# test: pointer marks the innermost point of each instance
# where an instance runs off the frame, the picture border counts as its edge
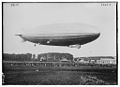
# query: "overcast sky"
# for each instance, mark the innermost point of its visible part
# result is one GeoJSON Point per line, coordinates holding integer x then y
{"type": "Point", "coordinates": [27, 17]}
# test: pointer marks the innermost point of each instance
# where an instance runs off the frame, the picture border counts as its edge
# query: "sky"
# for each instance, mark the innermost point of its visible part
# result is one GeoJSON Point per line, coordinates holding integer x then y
{"type": "Point", "coordinates": [27, 17]}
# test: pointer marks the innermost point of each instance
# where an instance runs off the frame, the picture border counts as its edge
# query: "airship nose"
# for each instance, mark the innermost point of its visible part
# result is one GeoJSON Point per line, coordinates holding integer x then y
{"type": "Point", "coordinates": [96, 35]}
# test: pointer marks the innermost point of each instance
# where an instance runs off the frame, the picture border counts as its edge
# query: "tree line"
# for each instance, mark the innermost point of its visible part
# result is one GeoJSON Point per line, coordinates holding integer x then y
{"type": "Point", "coordinates": [39, 57]}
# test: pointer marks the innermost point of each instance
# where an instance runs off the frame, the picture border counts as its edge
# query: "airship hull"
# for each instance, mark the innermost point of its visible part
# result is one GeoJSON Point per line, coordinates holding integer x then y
{"type": "Point", "coordinates": [61, 40]}
{"type": "Point", "coordinates": [62, 35]}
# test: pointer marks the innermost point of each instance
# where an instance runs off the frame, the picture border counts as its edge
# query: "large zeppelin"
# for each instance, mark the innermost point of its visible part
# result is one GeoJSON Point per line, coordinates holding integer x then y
{"type": "Point", "coordinates": [71, 35]}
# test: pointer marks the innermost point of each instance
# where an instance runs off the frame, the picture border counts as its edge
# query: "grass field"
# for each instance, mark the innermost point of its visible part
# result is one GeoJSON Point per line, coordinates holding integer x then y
{"type": "Point", "coordinates": [69, 75]}
{"type": "Point", "coordinates": [59, 78]}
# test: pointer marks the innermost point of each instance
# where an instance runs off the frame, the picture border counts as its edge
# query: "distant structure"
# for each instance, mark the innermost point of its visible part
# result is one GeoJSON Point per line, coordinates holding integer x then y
{"type": "Point", "coordinates": [34, 56]}
{"type": "Point", "coordinates": [55, 57]}
{"type": "Point", "coordinates": [106, 61]}
{"type": "Point", "coordinates": [96, 60]}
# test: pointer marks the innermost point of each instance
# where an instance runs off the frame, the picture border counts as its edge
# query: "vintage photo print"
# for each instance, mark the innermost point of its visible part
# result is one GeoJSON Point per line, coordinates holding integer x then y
{"type": "Point", "coordinates": [59, 43]}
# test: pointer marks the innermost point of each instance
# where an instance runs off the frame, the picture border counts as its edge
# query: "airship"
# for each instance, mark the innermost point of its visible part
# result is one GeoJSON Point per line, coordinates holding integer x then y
{"type": "Point", "coordinates": [72, 35]}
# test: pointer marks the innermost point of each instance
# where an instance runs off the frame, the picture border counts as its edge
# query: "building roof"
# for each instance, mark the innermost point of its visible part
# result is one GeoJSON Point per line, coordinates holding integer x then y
{"type": "Point", "coordinates": [64, 60]}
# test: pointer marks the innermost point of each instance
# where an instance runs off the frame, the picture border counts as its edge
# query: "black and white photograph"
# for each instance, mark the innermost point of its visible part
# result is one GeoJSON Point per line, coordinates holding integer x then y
{"type": "Point", "coordinates": [59, 43]}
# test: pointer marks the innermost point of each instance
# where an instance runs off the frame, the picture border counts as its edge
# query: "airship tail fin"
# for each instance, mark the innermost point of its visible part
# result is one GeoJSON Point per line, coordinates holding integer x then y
{"type": "Point", "coordinates": [20, 35]}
